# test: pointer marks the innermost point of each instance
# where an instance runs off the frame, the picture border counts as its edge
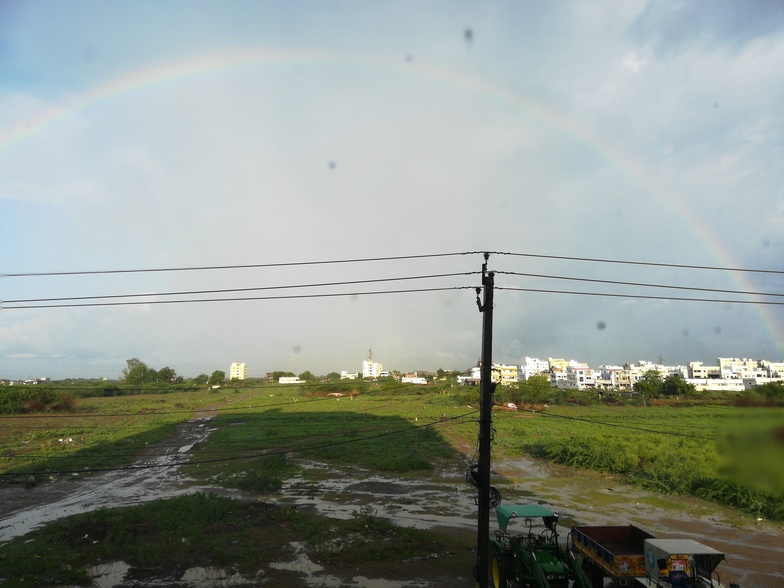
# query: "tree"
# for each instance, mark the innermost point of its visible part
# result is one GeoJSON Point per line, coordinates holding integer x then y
{"type": "Point", "coordinates": [333, 377]}
{"type": "Point", "coordinates": [676, 385]}
{"type": "Point", "coordinates": [650, 384]}
{"type": "Point", "coordinates": [771, 390]}
{"type": "Point", "coordinates": [278, 375]}
{"type": "Point", "coordinates": [306, 376]}
{"type": "Point", "coordinates": [536, 389]}
{"type": "Point", "coordinates": [217, 378]}
{"type": "Point", "coordinates": [166, 374]}
{"type": "Point", "coordinates": [138, 372]}
{"type": "Point", "coordinates": [201, 379]}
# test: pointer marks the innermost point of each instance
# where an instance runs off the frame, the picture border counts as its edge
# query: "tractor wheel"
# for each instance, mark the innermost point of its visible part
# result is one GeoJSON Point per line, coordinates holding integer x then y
{"type": "Point", "coordinates": [500, 569]}
{"type": "Point", "coordinates": [594, 574]}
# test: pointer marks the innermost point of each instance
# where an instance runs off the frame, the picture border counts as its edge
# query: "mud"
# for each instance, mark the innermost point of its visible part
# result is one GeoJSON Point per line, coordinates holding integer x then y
{"type": "Point", "coordinates": [441, 500]}
{"type": "Point", "coordinates": [26, 508]}
{"type": "Point", "coordinates": [438, 501]}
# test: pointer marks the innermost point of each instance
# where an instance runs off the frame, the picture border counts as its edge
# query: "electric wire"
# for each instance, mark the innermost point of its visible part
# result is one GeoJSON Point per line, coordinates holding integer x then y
{"type": "Point", "coordinates": [396, 258]}
{"type": "Point", "coordinates": [640, 284]}
{"type": "Point", "coordinates": [234, 267]}
{"type": "Point", "coordinates": [640, 263]}
{"type": "Point", "coordinates": [640, 296]}
{"type": "Point", "coordinates": [231, 290]}
{"type": "Point", "coordinates": [240, 299]}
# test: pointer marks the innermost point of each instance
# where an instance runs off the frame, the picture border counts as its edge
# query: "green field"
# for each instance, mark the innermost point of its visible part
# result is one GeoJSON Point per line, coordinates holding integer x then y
{"type": "Point", "coordinates": [264, 433]}
{"type": "Point", "coordinates": [698, 449]}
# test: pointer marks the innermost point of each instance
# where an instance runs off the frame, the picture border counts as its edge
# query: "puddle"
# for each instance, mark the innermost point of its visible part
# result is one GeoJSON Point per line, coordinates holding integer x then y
{"type": "Point", "coordinates": [116, 574]}
{"type": "Point", "coordinates": [443, 500]}
{"type": "Point", "coordinates": [25, 509]}
{"type": "Point", "coordinates": [312, 575]}
{"type": "Point", "coordinates": [215, 578]}
{"type": "Point", "coordinates": [109, 575]}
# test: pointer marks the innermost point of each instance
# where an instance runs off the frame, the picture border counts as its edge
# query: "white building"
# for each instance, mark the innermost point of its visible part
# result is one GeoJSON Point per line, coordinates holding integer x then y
{"type": "Point", "coordinates": [237, 371]}
{"type": "Point", "coordinates": [775, 369]}
{"type": "Point", "coordinates": [579, 377]}
{"type": "Point", "coordinates": [414, 380]}
{"type": "Point", "coordinates": [533, 366]}
{"type": "Point", "coordinates": [371, 369]}
{"type": "Point", "coordinates": [290, 380]}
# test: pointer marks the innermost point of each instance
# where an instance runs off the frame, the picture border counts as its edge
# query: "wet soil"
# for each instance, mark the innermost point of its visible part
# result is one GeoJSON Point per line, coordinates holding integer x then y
{"type": "Point", "coordinates": [441, 501]}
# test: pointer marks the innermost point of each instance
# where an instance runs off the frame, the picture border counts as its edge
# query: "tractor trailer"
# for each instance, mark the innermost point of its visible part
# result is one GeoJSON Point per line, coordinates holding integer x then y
{"type": "Point", "coordinates": [631, 557]}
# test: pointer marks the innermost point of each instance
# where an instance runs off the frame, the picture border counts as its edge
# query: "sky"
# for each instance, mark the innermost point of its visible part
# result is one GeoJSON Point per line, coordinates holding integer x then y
{"type": "Point", "coordinates": [414, 136]}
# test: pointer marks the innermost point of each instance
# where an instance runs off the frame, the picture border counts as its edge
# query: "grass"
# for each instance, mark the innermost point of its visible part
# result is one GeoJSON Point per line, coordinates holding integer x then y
{"type": "Point", "coordinates": [262, 432]}
{"type": "Point", "coordinates": [666, 449]}
{"type": "Point", "coordinates": [210, 531]}
{"type": "Point", "coordinates": [104, 433]}
{"type": "Point", "coordinates": [365, 431]}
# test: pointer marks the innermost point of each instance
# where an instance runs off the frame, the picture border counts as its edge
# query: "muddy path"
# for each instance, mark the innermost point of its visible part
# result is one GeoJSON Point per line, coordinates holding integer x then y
{"type": "Point", "coordinates": [24, 508]}
{"type": "Point", "coordinates": [440, 500]}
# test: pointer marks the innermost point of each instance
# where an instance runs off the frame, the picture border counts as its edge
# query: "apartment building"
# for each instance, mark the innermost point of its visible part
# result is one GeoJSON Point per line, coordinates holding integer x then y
{"type": "Point", "coordinates": [729, 375]}
{"type": "Point", "coordinates": [505, 374]}
{"type": "Point", "coordinates": [237, 371]}
{"type": "Point", "coordinates": [532, 367]}
{"type": "Point", "coordinates": [579, 377]}
{"type": "Point", "coordinates": [371, 369]}
{"type": "Point", "coordinates": [699, 371]}
{"type": "Point", "coordinates": [612, 377]}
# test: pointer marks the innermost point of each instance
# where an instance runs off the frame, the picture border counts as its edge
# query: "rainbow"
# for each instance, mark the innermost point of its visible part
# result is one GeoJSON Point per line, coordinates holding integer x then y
{"type": "Point", "coordinates": [207, 65]}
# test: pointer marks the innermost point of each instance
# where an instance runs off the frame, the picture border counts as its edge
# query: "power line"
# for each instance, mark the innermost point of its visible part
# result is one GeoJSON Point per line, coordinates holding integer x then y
{"type": "Point", "coordinates": [254, 289]}
{"type": "Point", "coordinates": [239, 299]}
{"type": "Point", "coordinates": [391, 258]}
{"type": "Point", "coordinates": [642, 284]}
{"type": "Point", "coordinates": [642, 296]}
{"type": "Point", "coordinates": [227, 267]}
{"type": "Point", "coordinates": [642, 263]}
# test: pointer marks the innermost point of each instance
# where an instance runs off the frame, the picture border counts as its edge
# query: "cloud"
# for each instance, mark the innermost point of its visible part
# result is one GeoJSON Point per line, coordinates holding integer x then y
{"type": "Point", "coordinates": [609, 132]}
{"type": "Point", "coordinates": [670, 27]}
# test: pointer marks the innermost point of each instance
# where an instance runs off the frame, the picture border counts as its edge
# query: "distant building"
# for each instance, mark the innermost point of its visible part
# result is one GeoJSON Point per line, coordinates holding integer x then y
{"type": "Point", "coordinates": [371, 369]}
{"type": "Point", "coordinates": [290, 380]}
{"type": "Point", "coordinates": [414, 380]}
{"type": "Point", "coordinates": [505, 374]}
{"type": "Point", "coordinates": [698, 371]}
{"type": "Point", "coordinates": [532, 367]}
{"type": "Point", "coordinates": [579, 377]}
{"type": "Point", "coordinates": [237, 371]}
{"type": "Point", "coordinates": [344, 375]}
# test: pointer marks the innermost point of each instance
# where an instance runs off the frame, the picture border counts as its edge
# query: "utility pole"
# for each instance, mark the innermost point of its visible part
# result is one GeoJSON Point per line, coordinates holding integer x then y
{"type": "Point", "coordinates": [486, 389]}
